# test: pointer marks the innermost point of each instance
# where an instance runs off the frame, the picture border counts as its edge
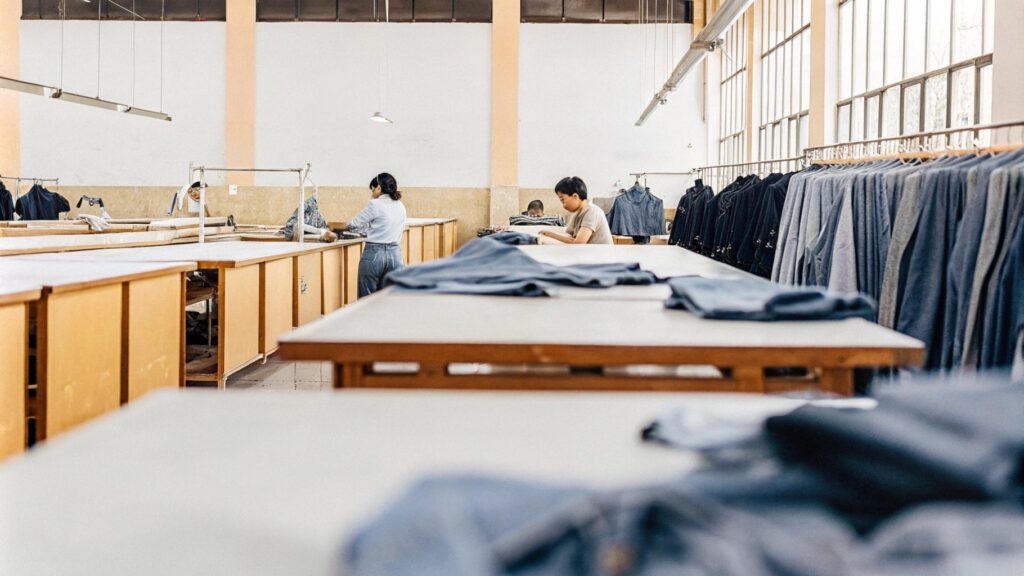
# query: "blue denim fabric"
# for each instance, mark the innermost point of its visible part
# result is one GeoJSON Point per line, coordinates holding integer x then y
{"type": "Point", "coordinates": [961, 273]}
{"type": "Point", "coordinates": [1013, 215]}
{"type": "Point", "coordinates": [377, 262]}
{"type": "Point", "coordinates": [485, 266]}
{"type": "Point", "coordinates": [1008, 307]}
{"type": "Point", "coordinates": [637, 212]}
{"type": "Point", "coordinates": [514, 238]}
{"type": "Point", "coordinates": [930, 482]}
{"type": "Point", "coordinates": [760, 300]}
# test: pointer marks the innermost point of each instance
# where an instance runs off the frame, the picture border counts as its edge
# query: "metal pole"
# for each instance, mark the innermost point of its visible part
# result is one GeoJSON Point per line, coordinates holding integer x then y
{"type": "Point", "coordinates": [302, 200]}
{"type": "Point", "coordinates": [202, 205]}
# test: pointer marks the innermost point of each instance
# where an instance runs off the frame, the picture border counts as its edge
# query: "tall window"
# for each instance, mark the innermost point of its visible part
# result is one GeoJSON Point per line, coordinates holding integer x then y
{"type": "Point", "coordinates": [785, 97]}
{"type": "Point", "coordinates": [732, 133]}
{"type": "Point", "coordinates": [907, 66]}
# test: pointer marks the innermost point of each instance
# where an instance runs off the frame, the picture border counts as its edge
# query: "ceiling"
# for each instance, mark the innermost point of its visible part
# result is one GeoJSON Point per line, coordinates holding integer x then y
{"type": "Point", "coordinates": [622, 11]}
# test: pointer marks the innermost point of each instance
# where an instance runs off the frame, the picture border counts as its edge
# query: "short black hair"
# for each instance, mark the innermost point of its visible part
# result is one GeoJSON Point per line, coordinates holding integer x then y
{"type": "Point", "coordinates": [572, 185]}
{"type": "Point", "coordinates": [535, 205]}
{"type": "Point", "coordinates": [388, 185]}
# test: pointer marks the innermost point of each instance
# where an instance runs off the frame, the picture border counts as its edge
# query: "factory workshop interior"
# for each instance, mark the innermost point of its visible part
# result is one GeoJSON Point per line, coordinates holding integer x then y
{"type": "Point", "coordinates": [512, 287]}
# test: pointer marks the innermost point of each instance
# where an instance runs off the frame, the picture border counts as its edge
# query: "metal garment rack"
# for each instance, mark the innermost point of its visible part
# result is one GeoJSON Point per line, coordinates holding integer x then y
{"type": "Point", "coordinates": [644, 175]}
{"type": "Point", "coordinates": [729, 172]}
{"type": "Point", "coordinates": [303, 174]}
{"type": "Point", "coordinates": [990, 138]}
{"type": "Point", "coordinates": [19, 179]}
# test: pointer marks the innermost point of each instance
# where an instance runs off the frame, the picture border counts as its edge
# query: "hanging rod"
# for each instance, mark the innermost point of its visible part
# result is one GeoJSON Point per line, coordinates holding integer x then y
{"type": "Point", "coordinates": [640, 174]}
{"type": "Point", "coordinates": [26, 179]}
{"type": "Point", "coordinates": [947, 140]}
{"type": "Point", "coordinates": [746, 164]}
{"type": "Point", "coordinates": [212, 169]}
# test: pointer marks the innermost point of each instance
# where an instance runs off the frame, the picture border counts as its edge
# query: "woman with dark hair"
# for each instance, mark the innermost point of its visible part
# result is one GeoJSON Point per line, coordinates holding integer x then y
{"type": "Point", "coordinates": [382, 221]}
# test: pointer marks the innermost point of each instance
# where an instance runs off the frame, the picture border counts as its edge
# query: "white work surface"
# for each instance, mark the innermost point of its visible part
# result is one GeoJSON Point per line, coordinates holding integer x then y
{"type": "Point", "coordinates": [663, 261]}
{"type": "Point", "coordinates": [190, 482]}
{"type": "Point", "coordinates": [208, 254]}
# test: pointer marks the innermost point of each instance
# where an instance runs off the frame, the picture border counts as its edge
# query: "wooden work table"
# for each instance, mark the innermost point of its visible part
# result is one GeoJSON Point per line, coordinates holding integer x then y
{"type": "Point", "coordinates": [254, 484]}
{"type": "Point", "coordinates": [595, 337]}
{"type": "Point", "coordinates": [264, 289]}
{"type": "Point", "coordinates": [105, 335]}
{"type": "Point", "coordinates": [15, 296]}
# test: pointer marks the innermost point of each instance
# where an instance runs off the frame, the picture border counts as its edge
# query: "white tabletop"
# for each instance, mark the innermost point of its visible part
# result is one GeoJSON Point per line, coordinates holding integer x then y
{"type": "Point", "coordinates": [249, 483]}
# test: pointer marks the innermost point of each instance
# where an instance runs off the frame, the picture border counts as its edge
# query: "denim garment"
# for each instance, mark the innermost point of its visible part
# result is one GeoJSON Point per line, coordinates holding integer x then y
{"type": "Point", "coordinates": [6, 204]}
{"type": "Point", "coordinates": [478, 526]}
{"type": "Point", "coordinates": [377, 261]}
{"type": "Point", "coordinates": [747, 223]}
{"type": "Point", "coordinates": [485, 266]}
{"type": "Point", "coordinates": [1013, 222]}
{"type": "Point", "coordinates": [41, 204]}
{"type": "Point", "coordinates": [527, 220]}
{"type": "Point", "coordinates": [694, 227]}
{"type": "Point", "coordinates": [980, 184]}
{"type": "Point", "coordinates": [311, 216]}
{"type": "Point", "coordinates": [1008, 307]}
{"type": "Point", "coordinates": [755, 299]}
{"type": "Point", "coordinates": [684, 214]}
{"type": "Point", "coordinates": [766, 237]}
{"type": "Point", "coordinates": [931, 482]}
{"type": "Point", "coordinates": [513, 238]}
{"type": "Point", "coordinates": [921, 309]}
{"type": "Point", "coordinates": [637, 212]}
{"type": "Point", "coordinates": [921, 443]}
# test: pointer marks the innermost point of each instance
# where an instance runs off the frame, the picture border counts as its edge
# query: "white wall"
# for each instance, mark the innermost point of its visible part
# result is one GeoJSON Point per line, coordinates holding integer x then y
{"type": "Point", "coordinates": [318, 83]}
{"type": "Point", "coordinates": [580, 96]}
{"type": "Point", "coordinates": [1008, 62]}
{"type": "Point", "coordinates": [88, 146]}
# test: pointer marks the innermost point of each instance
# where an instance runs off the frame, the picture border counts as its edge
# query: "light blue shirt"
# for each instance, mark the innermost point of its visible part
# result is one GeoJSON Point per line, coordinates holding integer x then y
{"type": "Point", "coordinates": [382, 221]}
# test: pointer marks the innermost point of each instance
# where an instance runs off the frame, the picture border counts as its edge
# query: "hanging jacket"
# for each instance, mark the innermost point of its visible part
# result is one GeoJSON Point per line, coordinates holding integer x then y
{"type": "Point", "coordinates": [41, 204]}
{"type": "Point", "coordinates": [6, 203]}
{"type": "Point", "coordinates": [637, 212]}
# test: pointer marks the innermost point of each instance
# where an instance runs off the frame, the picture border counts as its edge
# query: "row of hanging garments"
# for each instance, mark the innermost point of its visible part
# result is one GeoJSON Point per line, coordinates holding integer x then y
{"type": "Point", "coordinates": [938, 243]}
{"type": "Point", "coordinates": [38, 204]}
{"type": "Point", "coordinates": [738, 225]}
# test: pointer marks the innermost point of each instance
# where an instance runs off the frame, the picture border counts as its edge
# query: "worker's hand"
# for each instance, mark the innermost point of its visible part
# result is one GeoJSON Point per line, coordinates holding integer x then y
{"type": "Point", "coordinates": [329, 236]}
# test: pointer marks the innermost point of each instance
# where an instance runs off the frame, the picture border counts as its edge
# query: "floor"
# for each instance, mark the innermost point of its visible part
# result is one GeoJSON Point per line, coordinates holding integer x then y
{"type": "Point", "coordinates": [279, 376]}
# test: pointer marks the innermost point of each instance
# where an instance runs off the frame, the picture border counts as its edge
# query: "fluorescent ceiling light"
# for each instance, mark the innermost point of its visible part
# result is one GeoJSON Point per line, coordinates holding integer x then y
{"type": "Point", "coordinates": [58, 94]}
{"type": "Point", "coordinates": [378, 117]}
{"type": "Point", "coordinates": [728, 12]}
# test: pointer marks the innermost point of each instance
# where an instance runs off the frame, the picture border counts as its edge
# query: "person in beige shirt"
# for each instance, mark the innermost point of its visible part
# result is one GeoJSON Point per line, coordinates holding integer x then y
{"type": "Point", "coordinates": [587, 223]}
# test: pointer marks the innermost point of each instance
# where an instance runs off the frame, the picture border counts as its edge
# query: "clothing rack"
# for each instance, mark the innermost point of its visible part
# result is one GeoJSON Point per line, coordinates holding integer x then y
{"type": "Point", "coordinates": [644, 175]}
{"type": "Point", "coordinates": [991, 138]}
{"type": "Point", "coordinates": [19, 179]}
{"type": "Point", "coordinates": [302, 173]}
{"type": "Point", "coordinates": [725, 173]}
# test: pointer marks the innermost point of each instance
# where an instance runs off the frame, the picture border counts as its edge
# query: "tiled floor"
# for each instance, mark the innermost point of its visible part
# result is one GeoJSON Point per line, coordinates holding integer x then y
{"type": "Point", "coordinates": [278, 376]}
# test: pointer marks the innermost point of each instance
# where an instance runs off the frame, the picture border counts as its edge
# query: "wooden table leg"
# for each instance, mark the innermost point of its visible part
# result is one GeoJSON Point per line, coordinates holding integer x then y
{"type": "Point", "coordinates": [348, 375]}
{"type": "Point", "coordinates": [837, 380]}
{"type": "Point", "coordinates": [749, 378]}
{"type": "Point", "coordinates": [13, 377]}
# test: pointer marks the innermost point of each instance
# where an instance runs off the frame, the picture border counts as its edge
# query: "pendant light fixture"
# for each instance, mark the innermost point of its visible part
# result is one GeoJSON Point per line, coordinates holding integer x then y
{"type": "Point", "coordinates": [379, 116]}
{"type": "Point", "coordinates": [58, 93]}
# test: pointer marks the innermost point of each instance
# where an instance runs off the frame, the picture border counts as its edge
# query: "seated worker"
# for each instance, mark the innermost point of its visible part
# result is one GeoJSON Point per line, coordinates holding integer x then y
{"type": "Point", "coordinates": [314, 222]}
{"type": "Point", "coordinates": [587, 223]}
{"type": "Point", "coordinates": [192, 194]}
{"type": "Point", "coordinates": [534, 216]}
